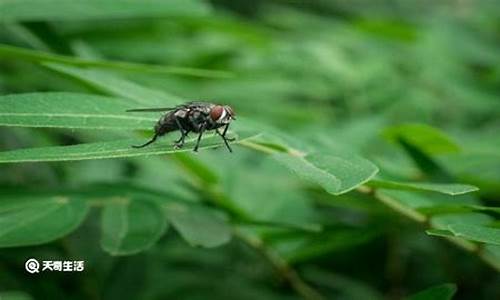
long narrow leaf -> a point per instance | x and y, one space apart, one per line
71 110
70 10
112 149
39 57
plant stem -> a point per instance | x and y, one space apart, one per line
418 217
284 270
219 199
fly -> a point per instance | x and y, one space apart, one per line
196 117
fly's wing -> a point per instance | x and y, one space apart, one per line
199 104
182 110
180 106
151 109
196 103
202 107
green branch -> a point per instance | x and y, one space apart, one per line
367 188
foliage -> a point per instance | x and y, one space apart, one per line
365 164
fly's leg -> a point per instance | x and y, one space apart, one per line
180 139
225 142
149 142
224 134
225 139
184 134
202 128
180 142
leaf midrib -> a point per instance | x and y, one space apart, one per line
77 115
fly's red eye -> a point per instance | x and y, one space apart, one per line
216 112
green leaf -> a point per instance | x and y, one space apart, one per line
469 226
196 168
114 85
444 188
69 10
439 292
429 167
113 149
337 174
482 169
42 57
15 295
417 200
439 232
131 225
427 138
457 208
421 142
32 220
470 218
70 110
476 233
199 227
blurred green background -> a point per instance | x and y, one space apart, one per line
359 77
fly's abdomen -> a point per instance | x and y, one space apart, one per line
166 124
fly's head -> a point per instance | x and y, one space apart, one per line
222 114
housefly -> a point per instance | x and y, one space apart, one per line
196 117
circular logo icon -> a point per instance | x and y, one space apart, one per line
32 266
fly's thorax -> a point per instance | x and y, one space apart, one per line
181 113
